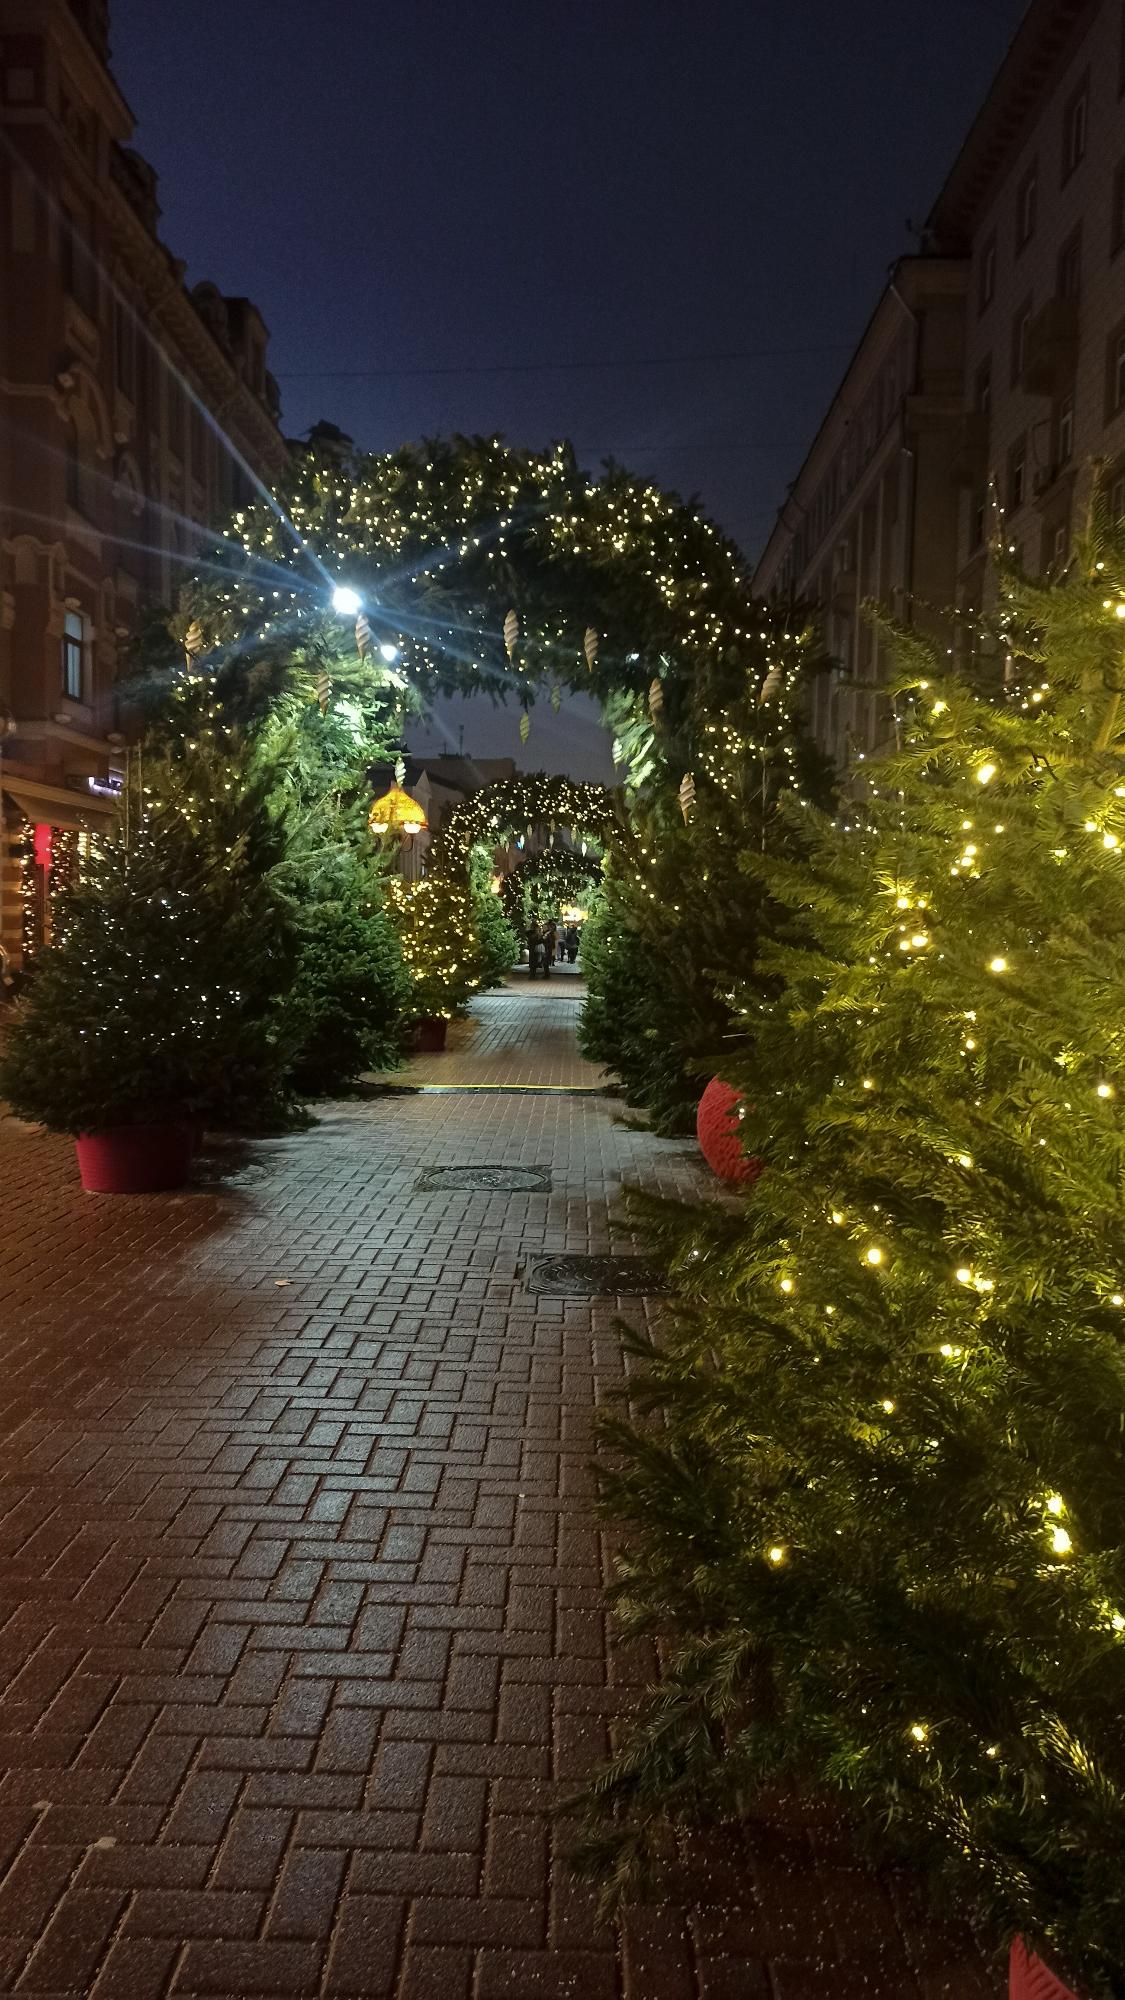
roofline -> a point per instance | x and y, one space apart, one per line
1027 71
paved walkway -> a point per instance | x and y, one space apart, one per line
519 1038
301 1618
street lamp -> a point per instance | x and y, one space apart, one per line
346 601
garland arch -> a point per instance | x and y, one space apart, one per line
514 806
558 874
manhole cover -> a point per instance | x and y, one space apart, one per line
505 1180
595 1277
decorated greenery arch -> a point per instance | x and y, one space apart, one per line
548 880
515 806
478 568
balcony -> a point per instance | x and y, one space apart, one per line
1050 348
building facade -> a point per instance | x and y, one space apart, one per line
872 513
989 383
134 414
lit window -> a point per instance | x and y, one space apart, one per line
74 655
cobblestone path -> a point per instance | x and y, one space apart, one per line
301 1617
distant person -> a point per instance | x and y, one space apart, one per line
550 946
571 942
534 948
562 947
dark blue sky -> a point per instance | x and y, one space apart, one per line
434 186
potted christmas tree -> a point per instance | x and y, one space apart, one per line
434 919
149 1012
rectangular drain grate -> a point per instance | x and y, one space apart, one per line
494 1180
595 1277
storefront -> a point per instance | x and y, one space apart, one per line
47 831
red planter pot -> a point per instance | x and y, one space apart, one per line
1030 1979
431 1034
716 1124
135 1159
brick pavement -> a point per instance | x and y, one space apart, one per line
301 1617
516 1038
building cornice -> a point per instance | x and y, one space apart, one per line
1048 32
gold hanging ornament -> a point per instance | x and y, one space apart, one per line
511 632
687 795
194 641
590 647
364 638
556 698
656 700
323 692
400 770
771 685
525 726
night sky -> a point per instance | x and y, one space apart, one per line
431 203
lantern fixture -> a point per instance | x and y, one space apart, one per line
398 811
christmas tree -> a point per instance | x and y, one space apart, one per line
884 1512
161 989
497 942
440 947
351 989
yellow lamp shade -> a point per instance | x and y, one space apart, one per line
396 809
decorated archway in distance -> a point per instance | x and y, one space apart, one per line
503 811
550 879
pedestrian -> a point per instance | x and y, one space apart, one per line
571 942
562 946
550 946
534 947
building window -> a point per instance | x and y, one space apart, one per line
1115 373
1074 129
74 656
1055 540
1017 475
977 519
1069 280
982 388
986 283
1064 431
125 348
1117 211
77 265
1026 201
1020 326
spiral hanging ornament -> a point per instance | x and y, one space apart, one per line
511 632
364 640
323 692
525 726
590 647
400 770
771 685
194 641
656 700
687 795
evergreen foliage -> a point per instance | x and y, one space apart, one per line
162 986
351 988
881 1522
497 943
677 928
440 946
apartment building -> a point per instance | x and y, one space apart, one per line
873 510
1014 385
1035 203
133 414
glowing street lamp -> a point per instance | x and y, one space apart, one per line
396 809
346 601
